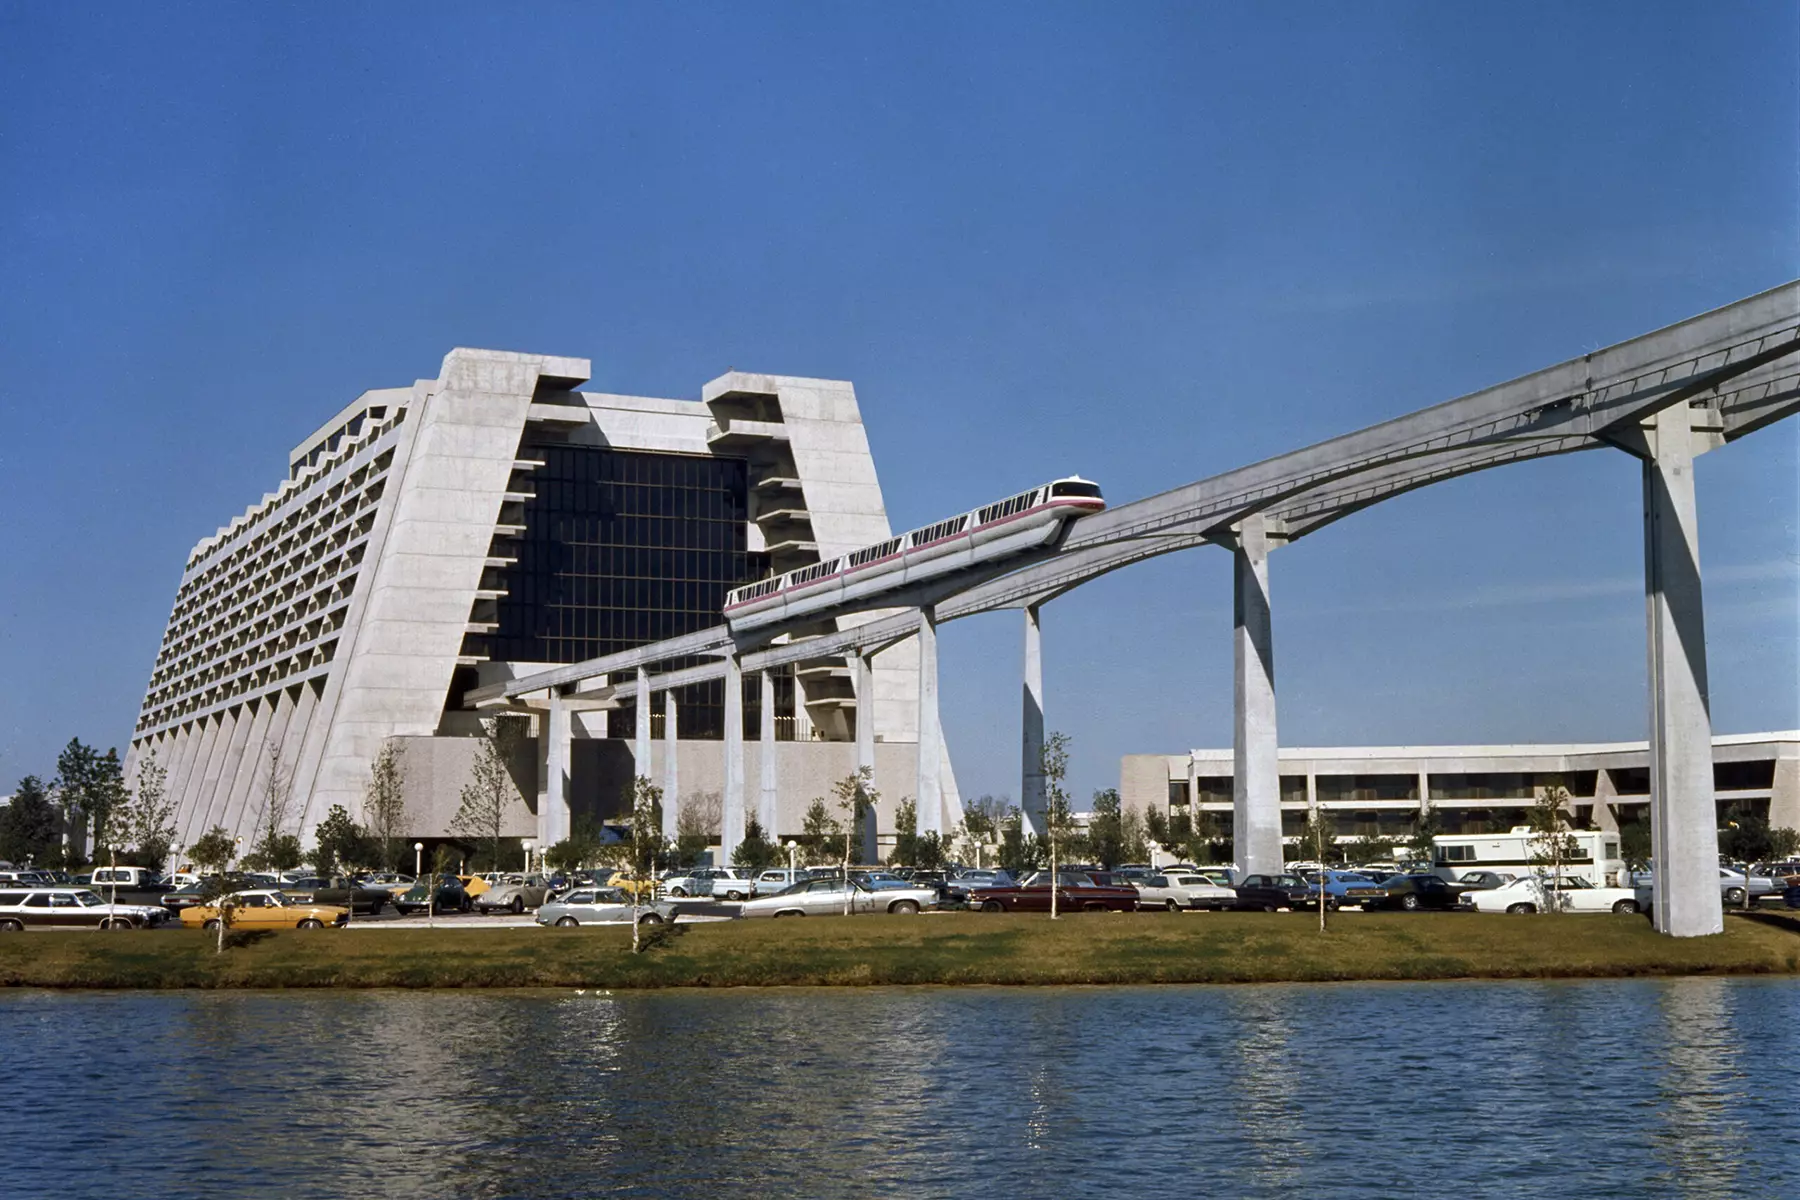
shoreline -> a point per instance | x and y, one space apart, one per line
949 950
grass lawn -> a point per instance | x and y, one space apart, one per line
949 948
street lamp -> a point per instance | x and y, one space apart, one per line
527 844
792 846
1155 853
418 859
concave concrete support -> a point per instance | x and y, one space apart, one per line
1256 776
1683 817
731 830
671 767
930 799
1031 746
765 759
553 807
641 767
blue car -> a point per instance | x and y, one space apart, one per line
1344 887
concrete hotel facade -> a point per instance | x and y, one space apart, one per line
1375 791
492 522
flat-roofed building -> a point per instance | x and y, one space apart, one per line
1378 791
493 522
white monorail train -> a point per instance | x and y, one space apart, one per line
1017 523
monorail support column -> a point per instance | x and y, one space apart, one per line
731 830
642 766
1031 748
553 812
865 743
930 791
765 757
671 767
1683 817
1256 778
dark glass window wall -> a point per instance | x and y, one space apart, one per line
621 548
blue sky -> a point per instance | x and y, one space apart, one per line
1142 242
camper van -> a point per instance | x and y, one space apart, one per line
1596 858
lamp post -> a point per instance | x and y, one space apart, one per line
792 846
1155 853
418 859
527 844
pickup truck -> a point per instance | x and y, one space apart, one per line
338 893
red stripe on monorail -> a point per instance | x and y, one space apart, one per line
1060 502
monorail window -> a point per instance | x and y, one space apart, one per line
1071 488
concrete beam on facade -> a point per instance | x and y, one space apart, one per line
641 767
553 807
1256 776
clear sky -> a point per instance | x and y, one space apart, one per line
1146 243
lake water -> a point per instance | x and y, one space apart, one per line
1667 1088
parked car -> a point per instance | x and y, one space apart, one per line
1564 894
1270 892
450 894
1483 881
600 906
1731 884
71 908
1343 887
337 891
825 897
1175 891
515 893
265 908
391 882
879 880
1410 893
702 881
1076 891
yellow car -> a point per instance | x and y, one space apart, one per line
626 881
474 884
265 910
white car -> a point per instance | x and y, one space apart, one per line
825 897
600 906
1175 892
1536 893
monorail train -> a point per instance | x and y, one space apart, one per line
1017 523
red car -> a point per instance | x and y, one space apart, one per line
1075 892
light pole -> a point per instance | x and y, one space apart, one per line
527 844
1155 853
418 859
792 846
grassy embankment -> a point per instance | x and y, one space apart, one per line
942 949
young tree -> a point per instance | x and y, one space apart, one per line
213 854
214 851
147 822
1019 851
342 843
1156 825
906 833
29 825
1366 849
1134 844
646 847
577 850
1059 822
756 852
856 800
77 771
1106 829
276 849
1551 843
1318 837
1635 845
490 796
981 822
384 803
930 851
1428 825
696 825
817 833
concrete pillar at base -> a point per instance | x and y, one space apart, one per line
671 804
642 765
1683 817
553 810
930 788
765 754
865 744
1031 746
731 831
1256 778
